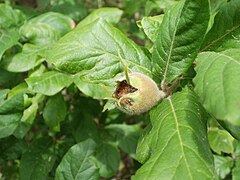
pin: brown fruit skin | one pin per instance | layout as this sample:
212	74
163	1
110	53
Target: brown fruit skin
144	98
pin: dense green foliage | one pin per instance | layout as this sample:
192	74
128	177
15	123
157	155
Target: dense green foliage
59	64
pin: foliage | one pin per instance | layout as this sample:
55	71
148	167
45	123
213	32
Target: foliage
59	66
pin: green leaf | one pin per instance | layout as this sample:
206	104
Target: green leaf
223	165
225	32
95	89
73	9
10	112
236	170
234	130
94	52
179	38
107	159
84	129
46	28
177	146
220	141
111	15
55	111
217	81
10	17
12	148
8	38
38	160
9	79
150	26
13	104
49	83
126	135
8	123
25	60
81	167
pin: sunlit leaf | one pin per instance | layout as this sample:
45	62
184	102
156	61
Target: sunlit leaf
179	39
177	143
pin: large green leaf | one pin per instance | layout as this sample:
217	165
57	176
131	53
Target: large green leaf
179	39
8	38
225	32
111	15
55	111
10	17
217	84
49	83
25	60
176	147
77	163
93	52
46	28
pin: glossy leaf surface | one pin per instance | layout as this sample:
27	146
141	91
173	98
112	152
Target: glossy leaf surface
86	51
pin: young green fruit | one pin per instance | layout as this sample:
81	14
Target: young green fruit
137	96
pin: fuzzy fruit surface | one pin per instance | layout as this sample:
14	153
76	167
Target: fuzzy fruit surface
139	96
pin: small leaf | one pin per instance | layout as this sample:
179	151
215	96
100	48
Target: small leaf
225	32
10	17
55	111
111	15
220	141
76	164
13	104
177	143
223	165
8	123
8	38
49	83
25	60
179	39
217	80
107	160
86	51
150	26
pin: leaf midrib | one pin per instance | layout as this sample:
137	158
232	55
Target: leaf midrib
171	47
179	135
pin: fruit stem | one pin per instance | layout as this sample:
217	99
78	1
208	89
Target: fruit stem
125	67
